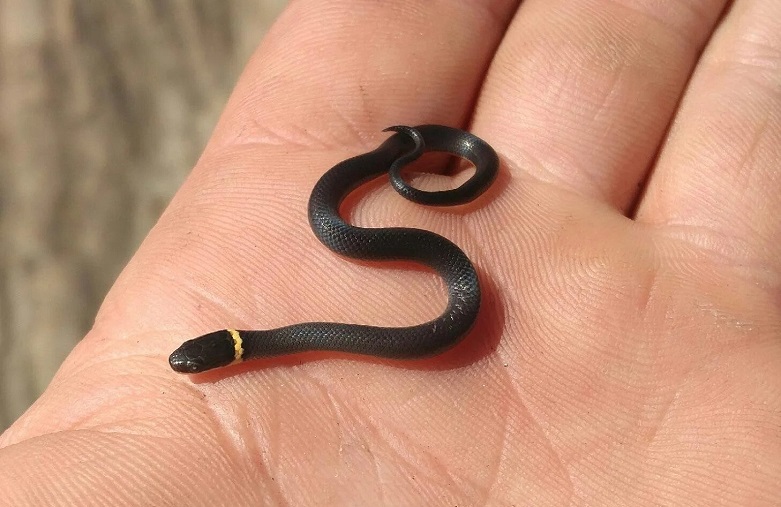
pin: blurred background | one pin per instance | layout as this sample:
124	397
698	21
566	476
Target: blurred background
104	108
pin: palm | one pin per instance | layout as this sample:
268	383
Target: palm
616	361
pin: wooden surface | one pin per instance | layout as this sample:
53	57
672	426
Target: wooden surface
104	108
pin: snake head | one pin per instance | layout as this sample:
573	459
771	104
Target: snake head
204	353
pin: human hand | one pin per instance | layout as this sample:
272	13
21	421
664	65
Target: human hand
615	362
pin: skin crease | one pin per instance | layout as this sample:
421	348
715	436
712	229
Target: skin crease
628	351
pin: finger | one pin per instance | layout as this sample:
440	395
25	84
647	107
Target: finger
580	93
327	68
132	462
718	180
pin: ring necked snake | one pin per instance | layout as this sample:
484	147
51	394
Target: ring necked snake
223	347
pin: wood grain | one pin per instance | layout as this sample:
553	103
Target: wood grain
104	108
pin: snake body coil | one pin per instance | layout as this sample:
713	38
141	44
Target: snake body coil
407	144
